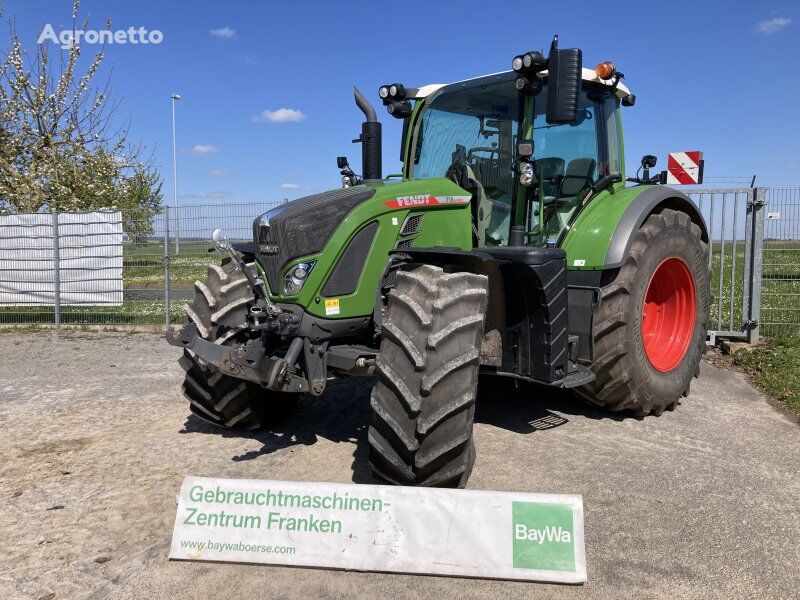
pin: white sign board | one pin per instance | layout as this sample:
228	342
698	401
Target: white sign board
469	533
89	259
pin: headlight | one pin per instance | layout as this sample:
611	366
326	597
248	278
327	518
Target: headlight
516	64
345	181
383	91
525	173
296	278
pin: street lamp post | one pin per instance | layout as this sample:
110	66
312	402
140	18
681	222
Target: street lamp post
175	177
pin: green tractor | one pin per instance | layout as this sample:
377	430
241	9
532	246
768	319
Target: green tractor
510	246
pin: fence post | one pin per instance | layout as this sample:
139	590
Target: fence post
56	273
759	201
177	230
747	274
166	266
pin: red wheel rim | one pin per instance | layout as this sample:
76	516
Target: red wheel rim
668	314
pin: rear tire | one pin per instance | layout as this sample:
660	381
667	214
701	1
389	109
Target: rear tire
219	310
423	402
641	368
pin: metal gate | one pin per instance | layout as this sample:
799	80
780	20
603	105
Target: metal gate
780	278
735	219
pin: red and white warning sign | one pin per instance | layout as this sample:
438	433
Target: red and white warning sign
685	168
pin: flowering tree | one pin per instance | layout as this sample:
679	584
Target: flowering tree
60	146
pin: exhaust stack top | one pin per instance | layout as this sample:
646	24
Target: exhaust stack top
370	139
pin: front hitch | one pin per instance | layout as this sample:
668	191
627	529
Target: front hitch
246	361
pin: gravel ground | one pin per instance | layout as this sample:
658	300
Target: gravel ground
702	502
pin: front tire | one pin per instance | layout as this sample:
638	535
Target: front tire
423	402
219	310
650	329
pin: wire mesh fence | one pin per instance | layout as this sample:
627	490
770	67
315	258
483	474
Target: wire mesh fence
139	267
780	283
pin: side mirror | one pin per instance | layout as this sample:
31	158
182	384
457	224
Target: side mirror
341	162
564	84
649	161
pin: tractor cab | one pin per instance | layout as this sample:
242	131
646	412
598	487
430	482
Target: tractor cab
470	132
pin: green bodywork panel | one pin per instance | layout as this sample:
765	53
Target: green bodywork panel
588	239
447	224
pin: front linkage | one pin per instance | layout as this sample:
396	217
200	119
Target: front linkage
246	360
249	359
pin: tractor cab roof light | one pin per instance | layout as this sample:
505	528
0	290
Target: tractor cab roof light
605	70
392	92
399	109
529	62
397	91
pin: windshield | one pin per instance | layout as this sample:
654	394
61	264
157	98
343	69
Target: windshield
474	127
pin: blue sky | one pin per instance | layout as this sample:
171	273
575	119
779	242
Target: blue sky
717	76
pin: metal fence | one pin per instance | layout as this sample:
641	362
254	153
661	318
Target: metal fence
144	276
780	280
754	239
732	217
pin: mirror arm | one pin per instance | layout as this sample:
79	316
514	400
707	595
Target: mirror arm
606	181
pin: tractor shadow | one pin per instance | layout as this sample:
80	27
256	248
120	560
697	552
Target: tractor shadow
342	413
523	407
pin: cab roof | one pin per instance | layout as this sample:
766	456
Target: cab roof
587	75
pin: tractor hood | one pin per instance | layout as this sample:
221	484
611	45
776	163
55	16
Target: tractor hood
301	227
341	240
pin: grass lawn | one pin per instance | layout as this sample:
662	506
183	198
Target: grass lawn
130	312
774	366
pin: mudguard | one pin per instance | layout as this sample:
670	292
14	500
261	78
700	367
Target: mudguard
601	236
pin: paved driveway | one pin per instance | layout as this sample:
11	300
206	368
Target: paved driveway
702	502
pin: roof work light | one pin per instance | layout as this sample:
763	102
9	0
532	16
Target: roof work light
393	96
526	66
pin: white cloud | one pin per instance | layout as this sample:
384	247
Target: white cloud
795	165
774	25
282	115
220	173
289	186
223	32
204	149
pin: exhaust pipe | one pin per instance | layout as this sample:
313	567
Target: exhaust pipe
370	139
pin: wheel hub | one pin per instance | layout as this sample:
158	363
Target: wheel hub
668	314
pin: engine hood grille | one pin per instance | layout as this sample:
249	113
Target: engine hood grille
301	227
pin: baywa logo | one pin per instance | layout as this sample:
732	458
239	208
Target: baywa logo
543	536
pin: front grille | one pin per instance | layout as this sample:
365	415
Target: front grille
302	228
411	225
404	244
